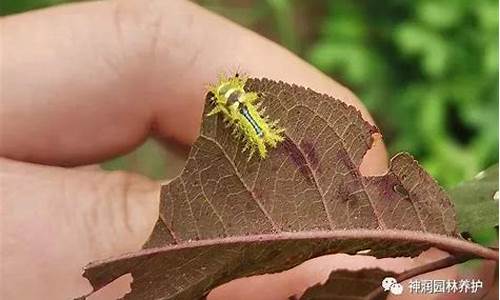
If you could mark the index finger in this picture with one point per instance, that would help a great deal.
(85, 82)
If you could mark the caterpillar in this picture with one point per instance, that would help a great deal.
(241, 110)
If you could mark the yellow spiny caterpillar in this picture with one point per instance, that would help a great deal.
(241, 110)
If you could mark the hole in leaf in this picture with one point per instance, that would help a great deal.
(400, 190)
(364, 252)
(115, 290)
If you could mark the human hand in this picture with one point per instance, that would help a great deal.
(86, 82)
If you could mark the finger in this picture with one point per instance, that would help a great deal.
(56, 220)
(87, 81)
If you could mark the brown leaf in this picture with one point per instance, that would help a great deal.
(225, 218)
(349, 285)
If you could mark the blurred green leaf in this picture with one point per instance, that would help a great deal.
(345, 28)
(429, 46)
(476, 203)
(441, 14)
(283, 13)
(352, 61)
(487, 14)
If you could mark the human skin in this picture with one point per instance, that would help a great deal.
(86, 82)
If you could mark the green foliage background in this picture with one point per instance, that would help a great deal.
(426, 69)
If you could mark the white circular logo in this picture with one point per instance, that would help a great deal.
(392, 285)
(396, 289)
(388, 282)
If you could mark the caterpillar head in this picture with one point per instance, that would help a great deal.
(227, 90)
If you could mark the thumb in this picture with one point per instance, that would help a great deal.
(56, 220)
